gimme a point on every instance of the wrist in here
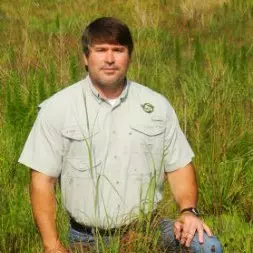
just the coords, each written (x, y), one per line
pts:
(52, 245)
(191, 210)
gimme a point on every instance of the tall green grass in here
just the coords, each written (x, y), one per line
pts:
(201, 63)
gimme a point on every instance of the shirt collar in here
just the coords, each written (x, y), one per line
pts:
(96, 94)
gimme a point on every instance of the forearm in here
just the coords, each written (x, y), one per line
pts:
(44, 208)
(184, 186)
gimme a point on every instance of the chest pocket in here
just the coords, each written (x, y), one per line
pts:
(78, 150)
(75, 142)
(148, 136)
(147, 147)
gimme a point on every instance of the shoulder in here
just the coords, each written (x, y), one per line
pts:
(56, 108)
(64, 97)
(145, 95)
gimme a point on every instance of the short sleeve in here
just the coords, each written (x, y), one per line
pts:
(178, 152)
(43, 148)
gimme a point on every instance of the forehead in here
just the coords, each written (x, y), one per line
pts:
(107, 45)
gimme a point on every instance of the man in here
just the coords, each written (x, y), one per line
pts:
(111, 141)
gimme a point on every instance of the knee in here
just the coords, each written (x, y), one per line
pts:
(211, 245)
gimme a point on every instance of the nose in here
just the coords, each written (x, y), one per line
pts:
(109, 57)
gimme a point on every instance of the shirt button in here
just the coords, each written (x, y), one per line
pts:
(117, 182)
(114, 132)
(115, 157)
(130, 133)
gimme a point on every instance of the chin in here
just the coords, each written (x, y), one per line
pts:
(111, 82)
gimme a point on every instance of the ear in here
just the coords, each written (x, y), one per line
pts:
(85, 60)
(129, 61)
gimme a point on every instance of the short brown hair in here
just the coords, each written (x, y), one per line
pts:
(107, 30)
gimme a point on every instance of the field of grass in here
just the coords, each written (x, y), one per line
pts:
(198, 54)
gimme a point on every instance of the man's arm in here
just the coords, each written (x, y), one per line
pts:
(185, 191)
(184, 186)
(44, 210)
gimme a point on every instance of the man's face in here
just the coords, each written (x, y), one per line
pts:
(107, 64)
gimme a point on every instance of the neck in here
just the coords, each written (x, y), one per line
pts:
(109, 91)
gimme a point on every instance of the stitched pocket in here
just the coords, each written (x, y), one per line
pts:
(77, 143)
(147, 147)
(147, 138)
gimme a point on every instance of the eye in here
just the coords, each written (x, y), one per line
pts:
(100, 49)
(119, 49)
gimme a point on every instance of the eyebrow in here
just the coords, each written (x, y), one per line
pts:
(103, 45)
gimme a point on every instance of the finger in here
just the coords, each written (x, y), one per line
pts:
(189, 234)
(183, 239)
(189, 228)
(186, 239)
(207, 229)
(189, 239)
(200, 233)
(178, 230)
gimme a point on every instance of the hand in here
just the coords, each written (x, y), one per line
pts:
(57, 249)
(187, 225)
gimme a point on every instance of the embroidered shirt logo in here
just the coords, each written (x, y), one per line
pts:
(147, 107)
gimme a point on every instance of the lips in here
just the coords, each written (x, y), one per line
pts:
(109, 69)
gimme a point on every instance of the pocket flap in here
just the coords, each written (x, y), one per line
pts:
(157, 118)
(81, 164)
(74, 133)
(150, 130)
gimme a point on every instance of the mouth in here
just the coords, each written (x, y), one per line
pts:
(109, 70)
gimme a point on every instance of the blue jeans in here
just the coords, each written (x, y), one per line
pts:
(167, 240)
